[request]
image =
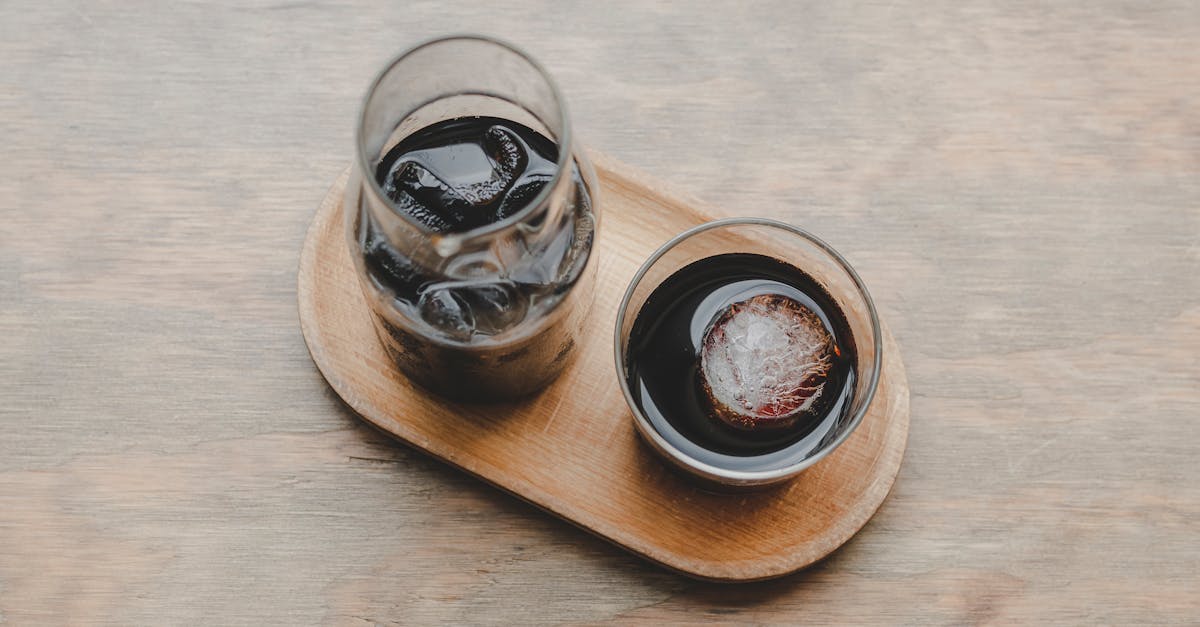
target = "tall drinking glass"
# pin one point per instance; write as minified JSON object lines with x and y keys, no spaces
{"x":490,"y":307}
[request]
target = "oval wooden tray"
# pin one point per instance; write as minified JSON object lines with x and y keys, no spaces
{"x":573,"y":450}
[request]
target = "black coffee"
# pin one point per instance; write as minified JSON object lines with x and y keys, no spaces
{"x":456,"y":176}
{"x":459,"y":175}
{"x":465,"y":173}
{"x":742,"y":361}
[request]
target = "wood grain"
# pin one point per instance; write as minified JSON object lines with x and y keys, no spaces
{"x":573,"y":450}
{"x":1017,"y":182}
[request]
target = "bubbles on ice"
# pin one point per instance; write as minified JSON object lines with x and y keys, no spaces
{"x":522,"y":194}
{"x":765,"y":361}
{"x":454,"y":189}
{"x":462,"y":309}
{"x":508,"y":155}
{"x":419,"y":193}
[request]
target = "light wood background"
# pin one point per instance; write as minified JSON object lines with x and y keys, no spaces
{"x":1019,"y":185}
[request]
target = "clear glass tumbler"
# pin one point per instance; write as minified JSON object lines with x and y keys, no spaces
{"x":493,"y":312}
{"x":828,"y":269}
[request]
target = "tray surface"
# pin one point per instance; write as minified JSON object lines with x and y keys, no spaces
{"x":573,"y":450}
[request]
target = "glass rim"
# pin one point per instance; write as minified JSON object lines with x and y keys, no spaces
{"x":716,"y":473}
{"x":453,"y":241}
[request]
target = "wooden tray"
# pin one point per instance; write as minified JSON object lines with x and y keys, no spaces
{"x":573,"y":450}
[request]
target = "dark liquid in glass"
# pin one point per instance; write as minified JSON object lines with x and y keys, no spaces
{"x":456,"y":176}
{"x":465,"y":173}
{"x":669,"y":385}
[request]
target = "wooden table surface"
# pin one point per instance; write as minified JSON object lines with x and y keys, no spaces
{"x":1018,"y":184}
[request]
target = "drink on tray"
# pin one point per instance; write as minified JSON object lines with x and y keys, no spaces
{"x":742,"y":355}
{"x":471,"y":220}
{"x":747,"y":350}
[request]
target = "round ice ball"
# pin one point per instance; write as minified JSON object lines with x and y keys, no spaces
{"x":765,"y":361}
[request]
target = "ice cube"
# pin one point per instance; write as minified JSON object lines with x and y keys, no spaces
{"x":420,"y":194}
{"x":764,"y":362}
{"x":462,"y":309}
{"x":521,"y":194}
{"x":506,"y":155}
{"x":445,"y":312}
{"x":547,"y":268}
{"x":507,"y":150}
{"x":387,"y":266}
